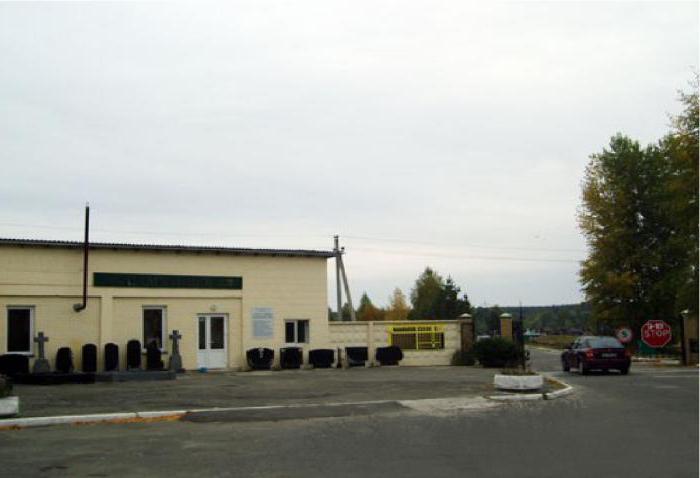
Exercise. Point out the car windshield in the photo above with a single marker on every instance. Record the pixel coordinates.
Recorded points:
(605, 343)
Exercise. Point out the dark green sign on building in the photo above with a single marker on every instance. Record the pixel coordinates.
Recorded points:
(165, 281)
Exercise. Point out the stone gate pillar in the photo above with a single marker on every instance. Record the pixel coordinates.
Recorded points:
(467, 332)
(506, 323)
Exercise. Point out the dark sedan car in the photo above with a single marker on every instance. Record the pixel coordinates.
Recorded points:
(596, 353)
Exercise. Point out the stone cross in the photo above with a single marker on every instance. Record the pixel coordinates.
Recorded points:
(176, 336)
(175, 361)
(41, 339)
(41, 365)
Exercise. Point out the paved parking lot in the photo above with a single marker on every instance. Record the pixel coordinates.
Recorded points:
(640, 425)
(242, 389)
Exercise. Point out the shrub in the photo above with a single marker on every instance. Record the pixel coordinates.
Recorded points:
(496, 352)
(463, 358)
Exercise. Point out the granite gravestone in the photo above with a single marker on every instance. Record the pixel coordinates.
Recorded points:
(64, 360)
(390, 355)
(175, 360)
(290, 357)
(41, 365)
(321, 358)
(356, 356)
(133, 355)
(14, 364)
(111, 357)
(153, 361)
(260, 358)
(89, 358)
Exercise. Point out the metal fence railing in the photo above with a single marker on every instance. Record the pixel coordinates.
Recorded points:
(417, 337)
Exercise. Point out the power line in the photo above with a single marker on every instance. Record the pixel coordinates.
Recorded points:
(348, 236)
(476, 246)
(465, 256)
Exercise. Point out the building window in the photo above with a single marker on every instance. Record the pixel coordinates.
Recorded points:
(417, 337)
(296, 331)
(20, 329)
(154, 326)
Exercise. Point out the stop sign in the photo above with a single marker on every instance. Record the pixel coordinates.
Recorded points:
(656, 333)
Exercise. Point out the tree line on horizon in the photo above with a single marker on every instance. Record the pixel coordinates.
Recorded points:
(431, 298)
(436, 298)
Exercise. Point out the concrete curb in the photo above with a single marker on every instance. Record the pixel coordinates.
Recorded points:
(127, 417)
(519, 397)
(173, 415)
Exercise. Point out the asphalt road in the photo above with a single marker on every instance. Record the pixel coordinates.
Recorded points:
(641, 425)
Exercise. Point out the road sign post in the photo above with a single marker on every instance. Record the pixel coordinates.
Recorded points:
(656, 333)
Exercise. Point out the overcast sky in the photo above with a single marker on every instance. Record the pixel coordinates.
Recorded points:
(425, 133)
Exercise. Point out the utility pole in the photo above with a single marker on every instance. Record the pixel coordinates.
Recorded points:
(336, 249)
(347, 288)
(340, 274)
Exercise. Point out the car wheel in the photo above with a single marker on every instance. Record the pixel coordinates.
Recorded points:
(625, 371)
(582, 368)
(565, 366)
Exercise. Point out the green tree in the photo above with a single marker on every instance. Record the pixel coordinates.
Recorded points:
(640, 217)
(426, 295)
(680, 148)
(450, 305)
(346, 315)
(626, 229)
(432, 297)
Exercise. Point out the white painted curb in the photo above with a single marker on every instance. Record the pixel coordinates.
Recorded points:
(530, 383)
(519, 397)
(559, 393)
(9, 406)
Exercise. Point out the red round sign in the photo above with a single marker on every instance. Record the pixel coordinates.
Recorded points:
(624, 334)
(656, 333)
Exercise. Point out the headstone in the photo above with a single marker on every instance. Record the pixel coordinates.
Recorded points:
(111, 357)
(175, 360)
(14, 364)
(290, 357)
(153, 361)
(321, 358)
(356, 356)
(5, 386)
(41, 365)
(260, 358)
(64, 360)
(133, 355)
(390, 355)
(90, 358)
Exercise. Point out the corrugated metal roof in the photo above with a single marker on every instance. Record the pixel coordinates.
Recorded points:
(240, 251)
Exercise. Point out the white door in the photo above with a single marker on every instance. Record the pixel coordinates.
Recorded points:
(211, 342)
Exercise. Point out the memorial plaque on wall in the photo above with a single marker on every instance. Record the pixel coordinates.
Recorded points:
(263, 327)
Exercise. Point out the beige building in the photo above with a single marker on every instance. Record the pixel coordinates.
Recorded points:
(222, 300)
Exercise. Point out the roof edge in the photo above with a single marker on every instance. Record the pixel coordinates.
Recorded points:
(240, 251)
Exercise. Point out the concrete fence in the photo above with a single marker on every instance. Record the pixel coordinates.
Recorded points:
(433, 342)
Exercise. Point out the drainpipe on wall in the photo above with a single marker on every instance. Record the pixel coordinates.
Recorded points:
(83, 305)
